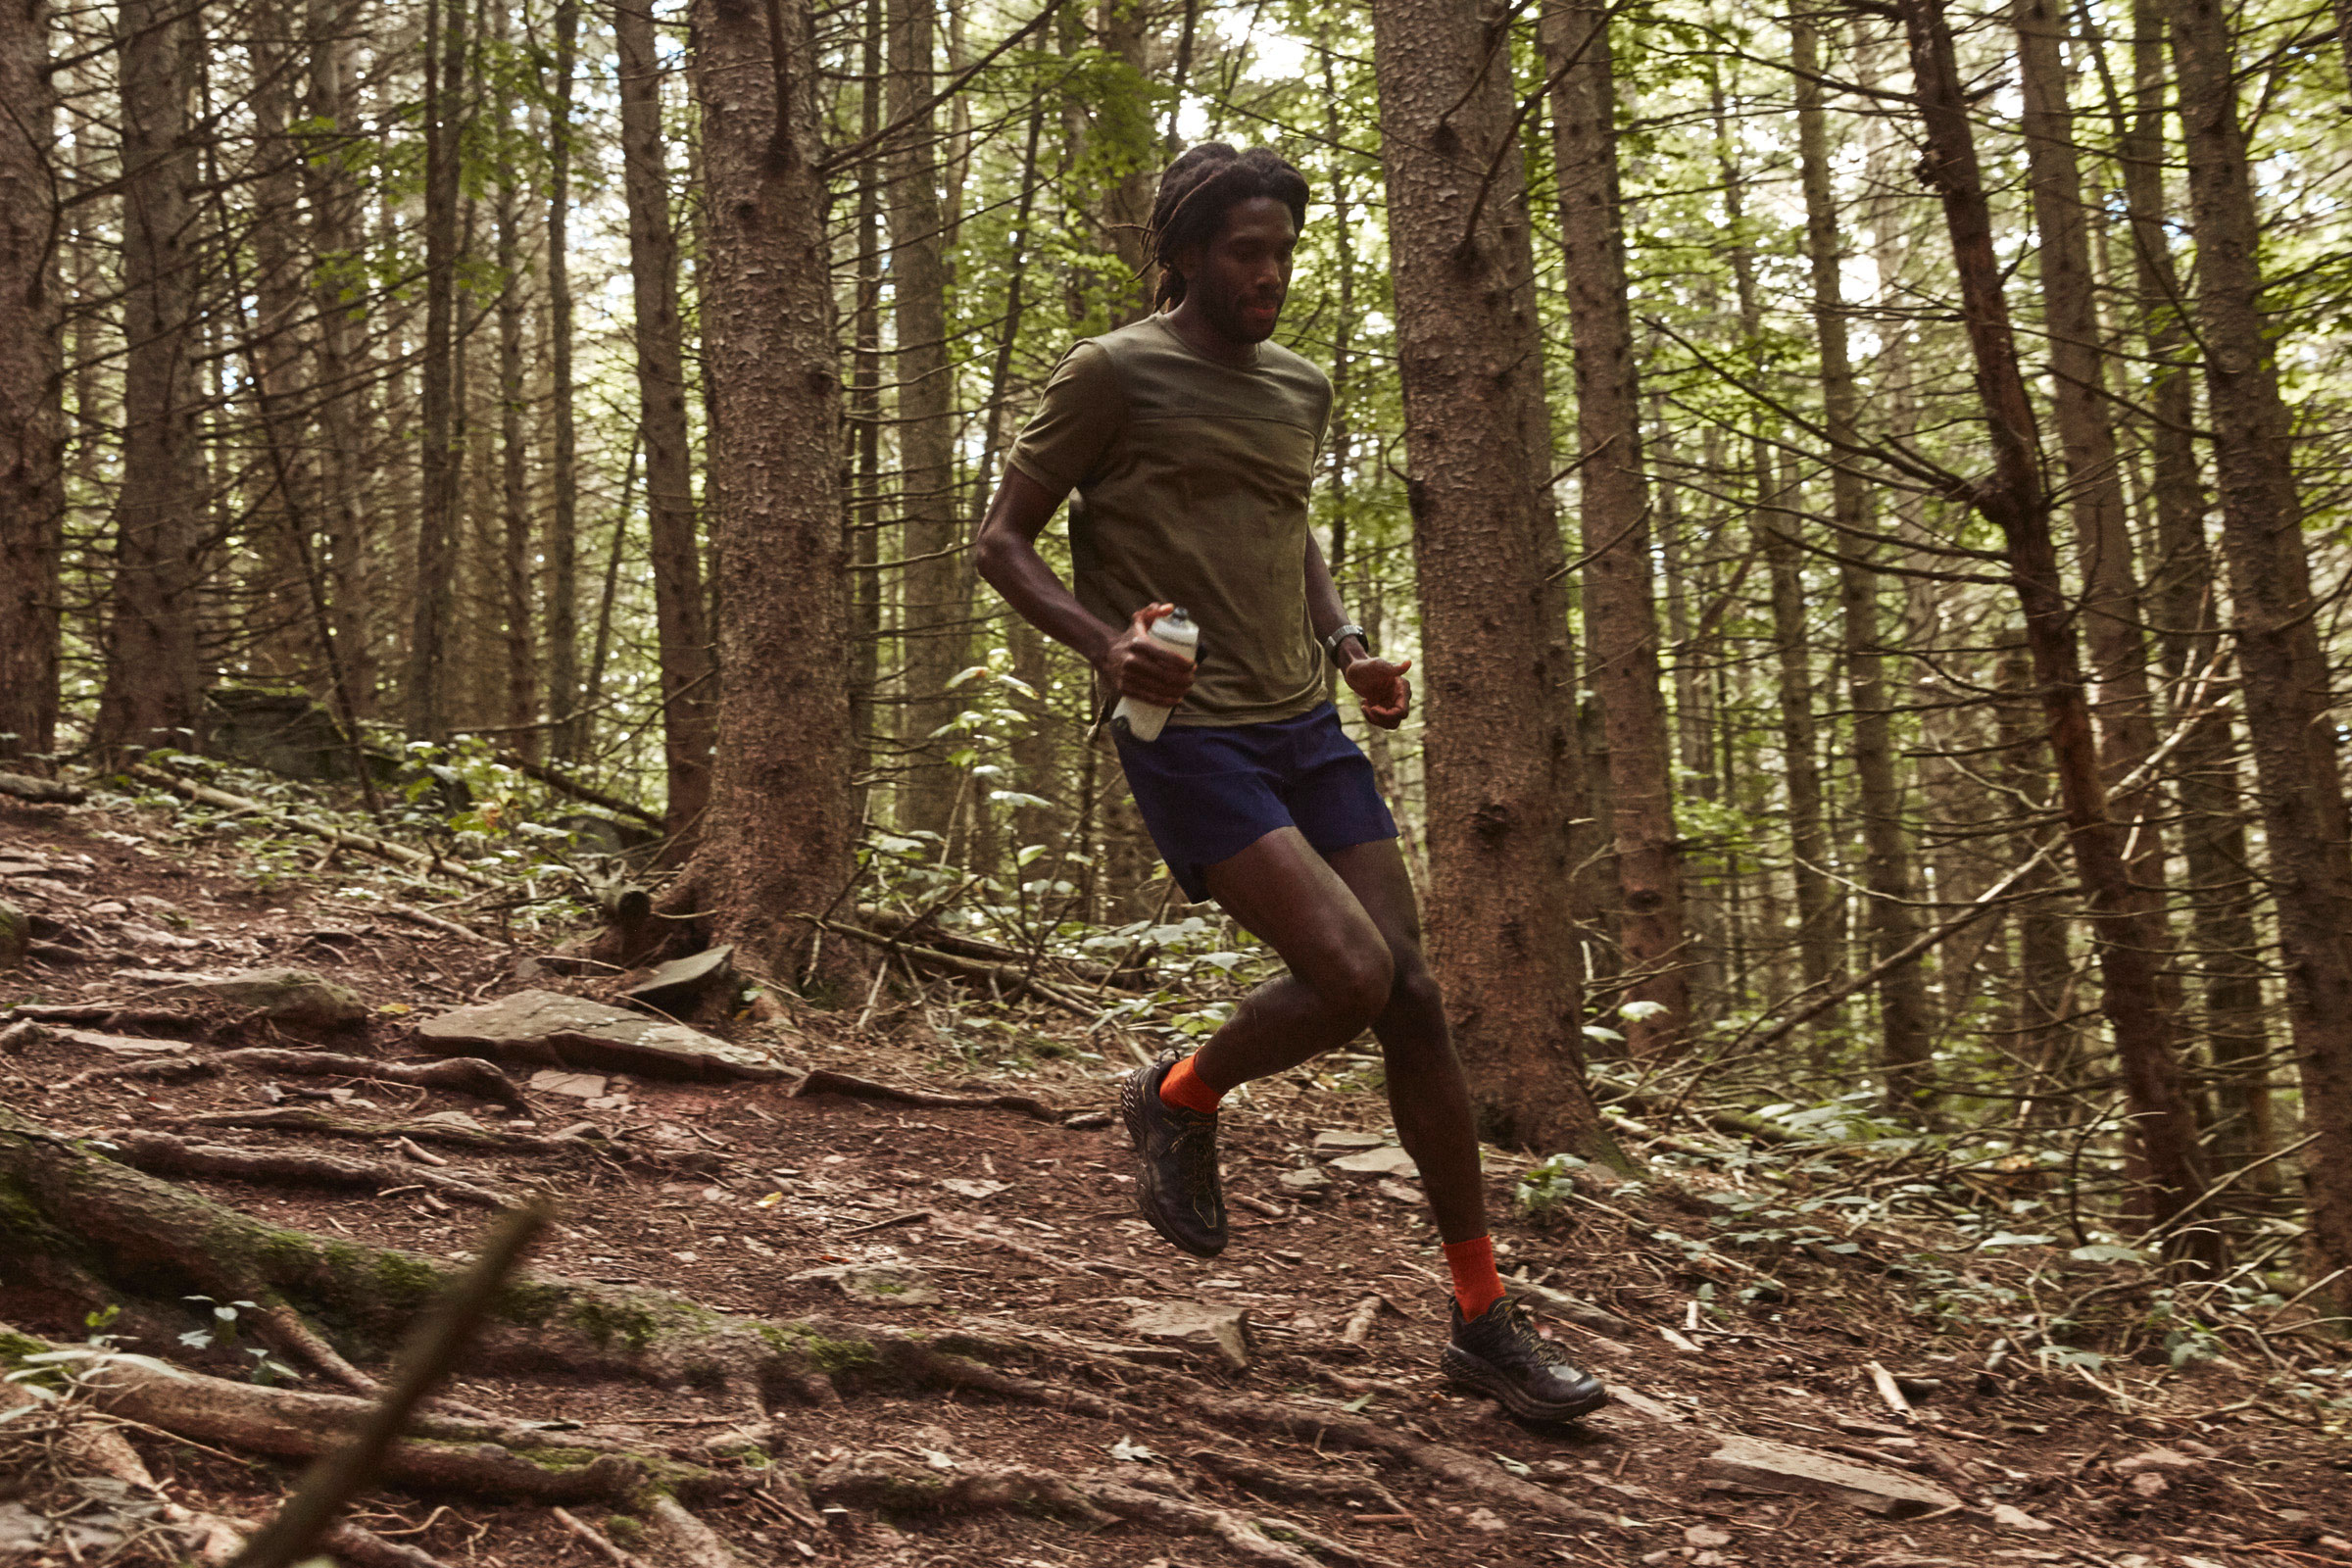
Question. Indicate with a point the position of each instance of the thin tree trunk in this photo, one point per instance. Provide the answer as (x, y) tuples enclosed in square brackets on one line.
[(570, 739), (32, 423), (2138, 997), (2185, 593), (777, 839), (865, 419), (153, 694), (935, 598), (433, 624), (347, 471), (521, 656), (2283, 672), (1905, 1046), (1499, 686), (681, 622), (1621, 616), (2042, 1034)]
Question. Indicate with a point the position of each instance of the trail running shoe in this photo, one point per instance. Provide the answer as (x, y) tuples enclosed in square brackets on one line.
[(1176, 1185), (1501, 1352)]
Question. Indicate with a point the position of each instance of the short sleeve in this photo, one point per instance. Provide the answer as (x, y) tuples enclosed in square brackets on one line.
[(1081, 415)]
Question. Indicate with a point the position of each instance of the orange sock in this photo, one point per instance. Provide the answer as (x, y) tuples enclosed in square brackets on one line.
[(1183, 1087), (1476, 1284)]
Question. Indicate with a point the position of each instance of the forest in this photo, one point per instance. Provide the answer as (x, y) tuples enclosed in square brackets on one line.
[(488, 493)]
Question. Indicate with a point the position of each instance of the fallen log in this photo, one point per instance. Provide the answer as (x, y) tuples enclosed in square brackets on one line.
[(380, 849), (41, 791)]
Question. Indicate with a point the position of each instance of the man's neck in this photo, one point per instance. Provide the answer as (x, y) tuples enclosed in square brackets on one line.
[(1192, 325)]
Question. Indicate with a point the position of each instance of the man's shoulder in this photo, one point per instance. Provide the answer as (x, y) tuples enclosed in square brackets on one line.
[(1275, 359)]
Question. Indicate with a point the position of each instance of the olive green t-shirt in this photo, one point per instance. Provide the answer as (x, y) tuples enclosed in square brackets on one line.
[(1190, 484)]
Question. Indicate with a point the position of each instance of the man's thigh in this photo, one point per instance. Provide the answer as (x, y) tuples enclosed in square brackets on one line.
[(1374, 873), (1295, 900)]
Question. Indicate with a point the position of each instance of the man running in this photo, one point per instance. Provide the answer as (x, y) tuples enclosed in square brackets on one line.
[(1189, 440)]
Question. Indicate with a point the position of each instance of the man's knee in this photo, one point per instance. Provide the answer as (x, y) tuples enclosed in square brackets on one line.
[(1414, 990), (1355, 984)]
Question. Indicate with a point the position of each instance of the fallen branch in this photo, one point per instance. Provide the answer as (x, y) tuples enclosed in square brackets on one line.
[(434, 923), (563, 784), (891, 923), (397, 854), (824, 1081), (161, 1155), (430, 1354), (1005, 978)]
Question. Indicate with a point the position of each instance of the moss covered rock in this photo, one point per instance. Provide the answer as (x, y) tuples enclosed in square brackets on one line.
[(16, 935), (294, 996)]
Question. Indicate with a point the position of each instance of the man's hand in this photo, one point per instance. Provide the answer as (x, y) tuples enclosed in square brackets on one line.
[(1135, 666), (1387, 696)]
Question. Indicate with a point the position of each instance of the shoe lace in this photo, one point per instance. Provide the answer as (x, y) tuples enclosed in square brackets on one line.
[(1198, 1147), (1525, 1339)]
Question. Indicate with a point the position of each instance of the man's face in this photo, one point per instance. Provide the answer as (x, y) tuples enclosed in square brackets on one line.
[(1239, 278)]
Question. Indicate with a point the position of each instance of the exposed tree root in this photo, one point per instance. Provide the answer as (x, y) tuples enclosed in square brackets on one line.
[(891, 1481), (692, 1543), (481, 1456), (824, 1081), (465, 1075), (161, 1155), (1270, 1479), (454, 1135)]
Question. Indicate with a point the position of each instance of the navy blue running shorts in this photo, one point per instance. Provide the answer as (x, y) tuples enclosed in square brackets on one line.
[(1209, 791)]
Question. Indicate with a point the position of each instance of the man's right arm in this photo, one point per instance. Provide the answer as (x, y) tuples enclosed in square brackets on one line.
[(1127, 659)]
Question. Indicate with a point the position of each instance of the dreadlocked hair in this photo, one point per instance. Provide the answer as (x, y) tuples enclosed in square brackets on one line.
[(1200, 187)]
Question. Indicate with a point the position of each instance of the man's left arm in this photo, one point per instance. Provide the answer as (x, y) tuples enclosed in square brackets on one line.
[(1378, 685)]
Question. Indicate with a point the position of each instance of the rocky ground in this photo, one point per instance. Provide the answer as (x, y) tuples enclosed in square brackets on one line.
[(932, 1181)]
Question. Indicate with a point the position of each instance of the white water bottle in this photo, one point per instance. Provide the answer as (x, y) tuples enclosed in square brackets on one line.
[(1143, 720)]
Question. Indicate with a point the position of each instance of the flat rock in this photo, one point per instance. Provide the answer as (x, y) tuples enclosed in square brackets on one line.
[(1386, 1160), (1305, 1183), (679, 987), (1786, 1467), (551, 1028), (888, 1285), (1223, 1330), (283, 995), (1338, 1138), (579, 1085)]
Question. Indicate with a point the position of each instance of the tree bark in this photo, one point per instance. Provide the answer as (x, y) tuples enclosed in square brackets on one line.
[(681, 623), (2283, 672), (518, 652), (1499, 686), (565, 702), (434, 621), (865, 419), (1905, 1044), (32, 424), (934, 602), (2139, 997), (2184, 593), (154, 682), (1620, 617), (778, 836)]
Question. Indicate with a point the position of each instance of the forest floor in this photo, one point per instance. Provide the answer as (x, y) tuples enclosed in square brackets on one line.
[(999, 1224)]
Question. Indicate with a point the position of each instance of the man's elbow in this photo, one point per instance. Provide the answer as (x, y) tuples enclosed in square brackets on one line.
[(988, 558)]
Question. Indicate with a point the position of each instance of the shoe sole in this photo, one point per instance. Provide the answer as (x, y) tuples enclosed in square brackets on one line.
[(1463, 1367), (1131, 1111)]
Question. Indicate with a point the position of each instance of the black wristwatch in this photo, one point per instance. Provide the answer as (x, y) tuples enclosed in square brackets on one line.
[(1331, 644)]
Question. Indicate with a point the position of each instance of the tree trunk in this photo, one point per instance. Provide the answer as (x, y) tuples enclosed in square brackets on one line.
[(347, 471), (32, 385), (1620, 616), (154, 682), (681, 623), (934, 596), (1498, 684), (2283, 671), (1905, 1041), (565, 701), (2044, 1035), (434, 622), (518, 655), (777, 839), (2138, 997), (865, 420), (2094, 480), (2221, 894)]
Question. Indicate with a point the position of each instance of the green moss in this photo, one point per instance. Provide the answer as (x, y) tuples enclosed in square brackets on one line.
[(608, 1321), (15, 1347), (625, 1530)]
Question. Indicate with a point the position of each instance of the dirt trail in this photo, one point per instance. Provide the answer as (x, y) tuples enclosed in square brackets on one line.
[(992, 1224)]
